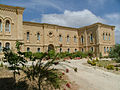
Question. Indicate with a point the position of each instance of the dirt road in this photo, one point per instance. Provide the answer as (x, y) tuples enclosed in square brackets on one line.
[(91, 78)]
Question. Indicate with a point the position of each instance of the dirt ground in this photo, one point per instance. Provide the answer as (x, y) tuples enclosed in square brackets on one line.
[(7, 82), (86, 78), (92, 78)]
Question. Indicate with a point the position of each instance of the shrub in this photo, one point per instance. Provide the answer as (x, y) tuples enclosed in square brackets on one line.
[(90, 54), (100, 55), (28, 54), (99, 65), (89, 62), (110, 67), (93, 63), (38, 55), (51, 54), (97, 59), (1, 65), (115, 52), (117, 69)]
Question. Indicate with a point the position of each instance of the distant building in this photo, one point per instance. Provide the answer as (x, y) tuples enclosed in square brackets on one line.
[(41, 37)]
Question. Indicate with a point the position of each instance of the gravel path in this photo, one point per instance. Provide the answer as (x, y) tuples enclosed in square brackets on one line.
[(90, 78)]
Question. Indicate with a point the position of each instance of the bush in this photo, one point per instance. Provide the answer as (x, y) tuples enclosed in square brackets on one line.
[(100, 55), (117, 69), (97, 59), (93, 63), (115, 52), (38, 55), (27, 54), (99, 65), (1, 65), (110, 67), (51, 54), (89, 62), (90, 54)]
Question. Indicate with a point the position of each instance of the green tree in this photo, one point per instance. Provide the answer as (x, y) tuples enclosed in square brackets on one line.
[(14, 59), (115, 52)]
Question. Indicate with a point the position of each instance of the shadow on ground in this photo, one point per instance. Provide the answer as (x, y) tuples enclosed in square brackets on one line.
[(9, 84)]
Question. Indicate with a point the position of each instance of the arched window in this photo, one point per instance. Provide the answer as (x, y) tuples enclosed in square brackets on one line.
[(7, 45), (7, 26), (68, 50), (107, 49), (106, 36), (75, 39), (75, 50), (60, 38), (28, 49), (38, 36), (0, 47), (91, 37), (109, 36), (67, 38), (92, 49), (82, 39), (60, 50), (103, 36), (28, 35), (110, 48), (38, 50), (0, 25), (104, 49)]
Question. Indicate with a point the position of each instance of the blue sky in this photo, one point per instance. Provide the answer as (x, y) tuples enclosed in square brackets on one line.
[(73, 13)]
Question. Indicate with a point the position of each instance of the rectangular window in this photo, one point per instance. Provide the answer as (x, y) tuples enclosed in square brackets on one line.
[(38, 36), (103, 36), (82, 39), (60, 38), (109, 36), (38, 50), (27, 35), (106, 36), (67, 39), (91, 38), (92, 49), (75, 39), (82, 50), (60, 50), (104, 49)]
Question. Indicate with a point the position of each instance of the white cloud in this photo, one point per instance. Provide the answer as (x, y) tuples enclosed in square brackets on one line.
[(72, 18), (114, 19), (82, 18)]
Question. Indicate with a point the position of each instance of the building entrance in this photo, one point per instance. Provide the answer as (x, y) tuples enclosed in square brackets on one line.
[(50, 47)]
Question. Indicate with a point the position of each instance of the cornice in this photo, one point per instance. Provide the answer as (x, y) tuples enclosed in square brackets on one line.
[(18, 10), (53, 26), (46, 25), (98, 25)]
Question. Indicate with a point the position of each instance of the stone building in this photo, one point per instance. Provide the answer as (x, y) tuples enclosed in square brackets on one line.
[(41, 37)]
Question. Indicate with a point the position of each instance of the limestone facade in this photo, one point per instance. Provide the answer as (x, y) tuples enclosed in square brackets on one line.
[(40, 37)]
